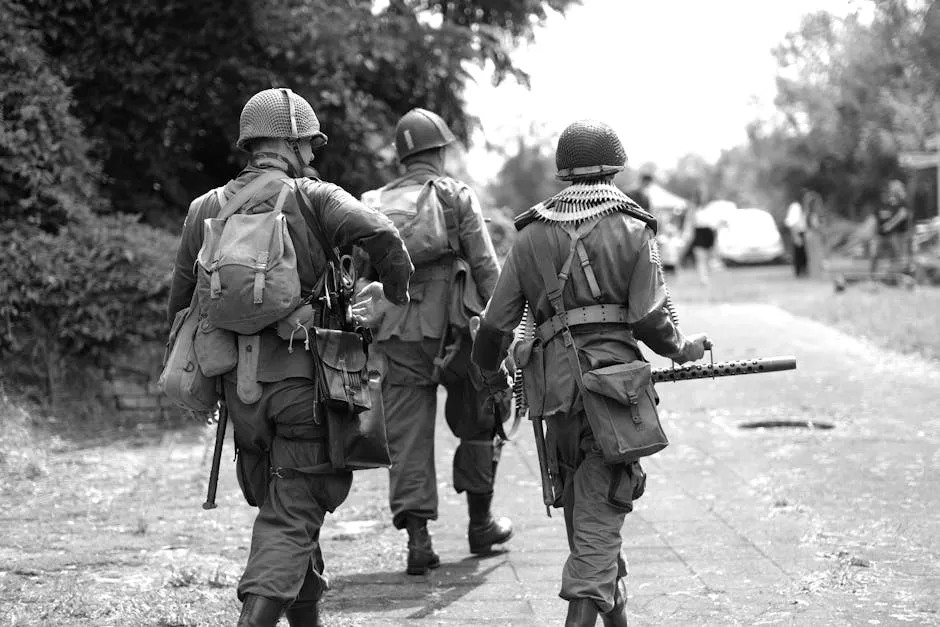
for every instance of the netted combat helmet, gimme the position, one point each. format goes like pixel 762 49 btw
pixel 278 114
pixel 420 130
pixel 588 149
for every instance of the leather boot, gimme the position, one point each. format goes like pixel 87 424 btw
pixel 304 614
pixel 617 616
pixel 259 611
pixel 421 555
pixel 484 530
pixel 581 613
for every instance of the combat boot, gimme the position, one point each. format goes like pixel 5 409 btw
pixel 304 614
pixel 617 616
pixel 484 530
pixel 581 613
pixel 259 611
pixel 421 555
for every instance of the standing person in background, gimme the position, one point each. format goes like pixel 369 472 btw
pixel 641 195
pixel 893 221
pixel 795 221
pixel 704 230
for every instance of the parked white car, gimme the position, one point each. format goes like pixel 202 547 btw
pixel 750 236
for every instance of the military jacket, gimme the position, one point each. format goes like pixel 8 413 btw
pixel 346 221
pixel 622 252
pixel 425 315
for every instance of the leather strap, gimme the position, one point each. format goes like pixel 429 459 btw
pixel 592 314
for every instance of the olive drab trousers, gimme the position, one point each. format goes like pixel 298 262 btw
pixel 410 398
pixel 285 562
pixel 596 498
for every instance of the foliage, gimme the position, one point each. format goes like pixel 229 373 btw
pixel 99 284
pixel 526 177
pixel 164 115
pixel 46 177
pixel 75 283
pixel 852 94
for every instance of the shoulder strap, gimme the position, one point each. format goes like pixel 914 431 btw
pixel 576 235
pixel 450 216
pixel 245 194
pixel 315 225
pixel 553 289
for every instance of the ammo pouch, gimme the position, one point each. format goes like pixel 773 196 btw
pixel 351 400
pixel 529 356
pixel 619 405
pixel 343 375
pixel 182 380
pixel 216 349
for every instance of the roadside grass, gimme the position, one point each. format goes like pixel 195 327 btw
pixel 896 319
pixel 23 451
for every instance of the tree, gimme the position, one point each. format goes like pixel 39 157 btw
pixel 852 94
pixel 159 83
pixel 526 177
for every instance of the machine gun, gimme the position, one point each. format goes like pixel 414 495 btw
pixel 724 369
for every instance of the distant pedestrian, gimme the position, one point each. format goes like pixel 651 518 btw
pixel 795 221
pixel 893 222
pixel 704 236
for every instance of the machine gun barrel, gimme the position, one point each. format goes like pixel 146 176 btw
pixel 724 369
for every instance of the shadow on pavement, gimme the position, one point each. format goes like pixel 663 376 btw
pixel 412 597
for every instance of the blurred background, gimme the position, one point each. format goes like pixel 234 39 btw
pixel 115 115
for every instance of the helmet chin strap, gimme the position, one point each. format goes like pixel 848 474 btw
pixel 305 169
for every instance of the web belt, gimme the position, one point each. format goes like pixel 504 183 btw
pixel 592 314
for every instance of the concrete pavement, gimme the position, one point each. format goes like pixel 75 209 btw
pixel 737 527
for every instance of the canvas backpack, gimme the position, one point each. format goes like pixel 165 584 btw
pixel 247 275
pixel 427 227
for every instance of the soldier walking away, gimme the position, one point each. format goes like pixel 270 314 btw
pixel 282 466
pixel 893 223
pixel 443 227
pixel 611 296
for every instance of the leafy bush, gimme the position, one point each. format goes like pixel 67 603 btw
pixel 46 177
pixel 75 284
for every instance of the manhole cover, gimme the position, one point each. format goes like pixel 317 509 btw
pixel 785 424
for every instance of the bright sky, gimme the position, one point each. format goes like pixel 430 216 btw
pixel 671 76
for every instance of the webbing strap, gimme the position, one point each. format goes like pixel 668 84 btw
pixel 245 194
pixel 592 314
pixel 450 220
pixel 261 261
pixel 576 235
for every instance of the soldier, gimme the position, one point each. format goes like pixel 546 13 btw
pixel 443 227
pixel 617 268
pixel 277 438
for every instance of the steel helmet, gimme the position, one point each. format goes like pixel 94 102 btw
pixel 420 130
pixel 588 149
pixel 278 114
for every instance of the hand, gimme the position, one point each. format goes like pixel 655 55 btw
pixel 698 344
pixel 371 304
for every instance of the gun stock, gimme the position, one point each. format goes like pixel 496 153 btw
pixel 216 457
pixel 724 369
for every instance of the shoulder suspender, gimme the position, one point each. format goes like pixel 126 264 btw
pixel 576 235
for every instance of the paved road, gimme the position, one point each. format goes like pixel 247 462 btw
pixel 738 526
